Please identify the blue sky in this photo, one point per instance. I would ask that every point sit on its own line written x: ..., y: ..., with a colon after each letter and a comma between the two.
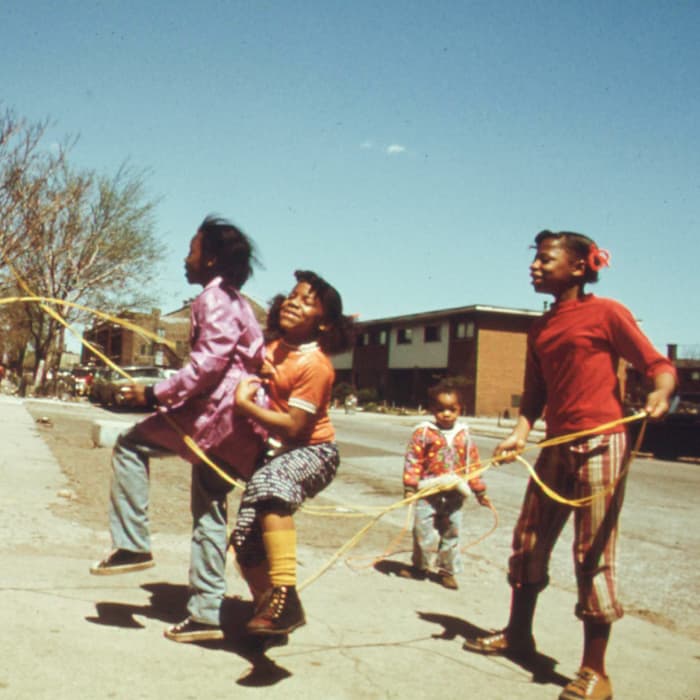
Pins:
x: 407, y: 151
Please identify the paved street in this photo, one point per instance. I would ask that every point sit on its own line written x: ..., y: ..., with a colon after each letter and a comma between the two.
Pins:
x: 369, y: 634
x: 661, y: 499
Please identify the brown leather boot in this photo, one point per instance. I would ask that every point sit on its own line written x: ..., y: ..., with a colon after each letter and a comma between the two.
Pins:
x: 279, y: 612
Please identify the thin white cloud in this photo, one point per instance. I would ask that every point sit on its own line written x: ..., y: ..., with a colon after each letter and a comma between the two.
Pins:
x: 395, y: 148
x: 367, y: 145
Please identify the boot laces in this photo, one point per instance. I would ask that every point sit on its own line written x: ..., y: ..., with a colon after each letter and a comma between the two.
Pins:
x: 275, y: 605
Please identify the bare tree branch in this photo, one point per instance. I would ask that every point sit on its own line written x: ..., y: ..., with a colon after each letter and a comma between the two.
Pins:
x: 74, y: 235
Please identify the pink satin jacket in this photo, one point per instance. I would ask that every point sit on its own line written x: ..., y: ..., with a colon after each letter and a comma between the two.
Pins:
x: 226, y: 345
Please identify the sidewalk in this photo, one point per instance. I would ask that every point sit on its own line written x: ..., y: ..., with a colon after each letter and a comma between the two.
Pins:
x: 502, y: 427
x: 479, y: 425
x: 67, y: 634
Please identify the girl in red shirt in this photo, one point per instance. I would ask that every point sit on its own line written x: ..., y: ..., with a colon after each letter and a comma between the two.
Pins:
x: 572, y: 358
x: 307, y: 325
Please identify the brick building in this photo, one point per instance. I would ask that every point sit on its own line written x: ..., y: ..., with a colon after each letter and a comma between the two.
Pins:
x: 401, y: 356
x: 126, y: 348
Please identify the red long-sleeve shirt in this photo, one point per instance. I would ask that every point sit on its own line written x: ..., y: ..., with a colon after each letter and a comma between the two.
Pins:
x: 572, y: 359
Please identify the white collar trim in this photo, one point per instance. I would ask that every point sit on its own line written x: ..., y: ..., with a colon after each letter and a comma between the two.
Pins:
x: 304, y: 347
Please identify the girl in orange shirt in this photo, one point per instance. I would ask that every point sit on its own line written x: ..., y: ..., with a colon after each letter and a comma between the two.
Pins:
x: 306, y: 326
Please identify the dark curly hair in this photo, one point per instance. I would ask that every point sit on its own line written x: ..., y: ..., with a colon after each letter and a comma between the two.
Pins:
x: 232, y: 251
x: 578, y: 246
x: 337, y: 330
x: 447, y: 385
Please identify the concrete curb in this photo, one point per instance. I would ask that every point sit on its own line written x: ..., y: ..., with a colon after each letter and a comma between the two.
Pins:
x: 104, y: 433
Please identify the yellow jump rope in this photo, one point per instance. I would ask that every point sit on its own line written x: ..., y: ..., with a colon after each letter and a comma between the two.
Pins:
x: 338, y: 510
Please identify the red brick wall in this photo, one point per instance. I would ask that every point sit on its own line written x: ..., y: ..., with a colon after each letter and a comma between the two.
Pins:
x: 461, y: 362
x: 500, y: 370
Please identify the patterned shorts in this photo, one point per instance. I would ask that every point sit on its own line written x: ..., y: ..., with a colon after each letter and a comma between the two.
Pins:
x: 581, y: 469
x: 285, y: 481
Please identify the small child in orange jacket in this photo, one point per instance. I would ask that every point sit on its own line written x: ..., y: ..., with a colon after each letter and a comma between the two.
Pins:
x: 440, y: 450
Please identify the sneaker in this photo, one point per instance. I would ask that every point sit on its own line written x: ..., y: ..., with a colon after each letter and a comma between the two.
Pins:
x: 588, y: 685
x: 122, y: 561
x: 190, y: 630
x: 279, y: 612
x: 413, y: 572
x: 500, y: 643
x: 449, y: 581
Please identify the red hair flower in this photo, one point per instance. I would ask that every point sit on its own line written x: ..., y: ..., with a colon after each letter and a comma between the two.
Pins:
x: 598, y: 257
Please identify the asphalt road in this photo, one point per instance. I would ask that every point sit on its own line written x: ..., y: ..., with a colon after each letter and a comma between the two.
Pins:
x: 370, y: 634
x: 659, y: 542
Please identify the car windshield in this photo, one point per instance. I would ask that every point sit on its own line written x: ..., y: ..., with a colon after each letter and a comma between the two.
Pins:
x: 145, y: 372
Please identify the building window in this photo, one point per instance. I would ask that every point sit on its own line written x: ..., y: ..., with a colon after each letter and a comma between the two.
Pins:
x: 431, y: 334
x: 464, y: 330
x: 377, y: 337
x: 404, y: 336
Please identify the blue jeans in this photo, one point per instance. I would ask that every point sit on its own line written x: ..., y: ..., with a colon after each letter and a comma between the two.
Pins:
x: 437, y: 522
x: 129, y: 526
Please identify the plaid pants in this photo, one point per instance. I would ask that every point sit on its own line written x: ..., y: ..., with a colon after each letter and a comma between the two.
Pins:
x: 575, y: 470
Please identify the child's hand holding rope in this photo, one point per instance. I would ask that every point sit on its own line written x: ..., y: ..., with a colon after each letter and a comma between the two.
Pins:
x: 133, y: 394
x: 509, y: 449
x: 483, y: 499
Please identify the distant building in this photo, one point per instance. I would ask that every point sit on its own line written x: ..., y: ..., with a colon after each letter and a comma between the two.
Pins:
x: 126, y: 347
x: 402, y: 356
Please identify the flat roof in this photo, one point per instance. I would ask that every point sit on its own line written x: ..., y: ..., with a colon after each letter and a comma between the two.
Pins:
x: 442, y: 313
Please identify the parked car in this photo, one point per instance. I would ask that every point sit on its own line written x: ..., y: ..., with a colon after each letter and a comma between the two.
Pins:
x: 107, y: 384
x: 97, y: 391
x: 677, y: 434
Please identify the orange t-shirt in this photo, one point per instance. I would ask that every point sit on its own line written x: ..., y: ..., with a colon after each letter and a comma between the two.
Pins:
x: 303, y: 378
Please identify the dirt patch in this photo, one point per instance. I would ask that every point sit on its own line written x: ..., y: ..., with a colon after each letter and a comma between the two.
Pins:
x: 88, y: 471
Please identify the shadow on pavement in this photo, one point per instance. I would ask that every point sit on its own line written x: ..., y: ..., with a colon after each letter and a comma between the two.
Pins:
x: 390, y: 567
x: 541, y: 667
x: 167, y: 603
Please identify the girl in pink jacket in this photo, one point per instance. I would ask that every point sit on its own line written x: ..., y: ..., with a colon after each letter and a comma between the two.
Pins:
x: 226, y: 345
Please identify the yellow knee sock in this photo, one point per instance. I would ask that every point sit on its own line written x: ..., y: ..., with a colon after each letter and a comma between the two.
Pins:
x: 281, y: 550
